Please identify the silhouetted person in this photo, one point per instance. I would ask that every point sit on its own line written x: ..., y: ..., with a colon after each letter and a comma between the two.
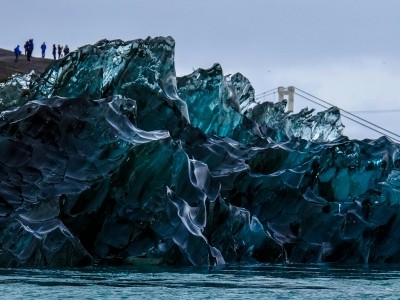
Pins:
x: 43, y: 47
x: 54, y: 51
x: 59, y: 49
x: 66, y: 50
x: 17, y: 53
x: 26, y: 47
x: 30, y: 50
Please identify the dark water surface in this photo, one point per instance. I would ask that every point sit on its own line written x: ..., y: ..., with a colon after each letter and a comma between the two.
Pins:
x: 229, y: 282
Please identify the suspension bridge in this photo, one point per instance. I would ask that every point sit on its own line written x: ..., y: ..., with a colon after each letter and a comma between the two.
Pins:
x: 281, y: 93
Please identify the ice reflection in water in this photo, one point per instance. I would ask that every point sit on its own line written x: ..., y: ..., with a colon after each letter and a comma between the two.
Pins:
x: 230, y: 282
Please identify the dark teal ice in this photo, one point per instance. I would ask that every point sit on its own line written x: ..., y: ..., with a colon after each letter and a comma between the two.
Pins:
x: 108, y: 157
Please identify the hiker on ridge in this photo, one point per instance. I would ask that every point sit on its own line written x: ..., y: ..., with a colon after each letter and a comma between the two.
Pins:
x: 17, y: 53
x: 30, y: 50
x: 54, y: 51
x: 26, y: 47
x: 43, y: 47
x: 59, y: 49
x: 66, y: 50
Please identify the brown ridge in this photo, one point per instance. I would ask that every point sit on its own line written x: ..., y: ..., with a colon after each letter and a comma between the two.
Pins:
x: 9, y: 67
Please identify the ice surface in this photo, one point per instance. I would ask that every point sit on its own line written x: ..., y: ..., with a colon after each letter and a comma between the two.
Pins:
x: 108, y: 157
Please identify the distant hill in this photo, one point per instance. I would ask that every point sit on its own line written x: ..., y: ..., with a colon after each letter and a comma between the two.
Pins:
x: 9, y: 67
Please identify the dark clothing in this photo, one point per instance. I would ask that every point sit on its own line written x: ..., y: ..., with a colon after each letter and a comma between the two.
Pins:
x: 26, y: 47
x: 54, y: 51
x: 59, y: 49
x: 43, y: 47
x: 66, y: 50
x: 29, y: 50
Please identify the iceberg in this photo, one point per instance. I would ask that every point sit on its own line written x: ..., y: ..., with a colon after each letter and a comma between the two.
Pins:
x: 108, y: 157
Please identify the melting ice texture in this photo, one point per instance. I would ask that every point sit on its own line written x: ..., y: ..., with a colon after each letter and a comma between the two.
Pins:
x: 108, y: 157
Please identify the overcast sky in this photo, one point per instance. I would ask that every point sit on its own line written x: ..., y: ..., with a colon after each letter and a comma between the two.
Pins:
x: 343, y: 51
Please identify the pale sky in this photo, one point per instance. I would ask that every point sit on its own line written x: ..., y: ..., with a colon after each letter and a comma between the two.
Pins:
x: 343, y: 51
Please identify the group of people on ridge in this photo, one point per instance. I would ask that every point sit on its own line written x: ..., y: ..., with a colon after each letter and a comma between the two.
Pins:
x: 28, y: 50
x: 61, y: 51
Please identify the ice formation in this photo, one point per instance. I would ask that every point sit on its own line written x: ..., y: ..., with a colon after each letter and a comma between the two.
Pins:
x: 108, y: 157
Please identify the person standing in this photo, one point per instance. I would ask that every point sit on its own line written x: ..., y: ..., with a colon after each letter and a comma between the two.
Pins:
x: 17, y: 53
x: 59, y: 49
x: 30, y: 50
x: 26, y: 47
x: 66, y: 50
x: 43, y: 47
x: 54, y: 51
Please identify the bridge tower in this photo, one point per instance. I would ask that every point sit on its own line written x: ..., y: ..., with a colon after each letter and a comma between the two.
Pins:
x: 289, y: 91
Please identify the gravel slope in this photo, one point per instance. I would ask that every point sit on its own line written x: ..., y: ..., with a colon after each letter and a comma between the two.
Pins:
x: 9, y: 67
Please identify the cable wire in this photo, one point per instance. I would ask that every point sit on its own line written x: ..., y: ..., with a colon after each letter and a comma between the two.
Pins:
x: 259, y: 95
x: 377, y: 111
x: 264, y: 96
x: 396, y: 138
x: 311, y: 100
x: 353, y: 115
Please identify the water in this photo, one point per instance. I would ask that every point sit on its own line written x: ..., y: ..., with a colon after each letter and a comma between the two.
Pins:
x: 230, y: 282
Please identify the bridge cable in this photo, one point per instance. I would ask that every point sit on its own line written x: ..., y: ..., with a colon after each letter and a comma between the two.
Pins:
x: 353, y: 115
x: 264, y: 96
x: 259, y: 95
x: 396, y: 138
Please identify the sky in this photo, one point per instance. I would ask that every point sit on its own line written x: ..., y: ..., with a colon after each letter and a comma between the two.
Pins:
x: 345, y: 52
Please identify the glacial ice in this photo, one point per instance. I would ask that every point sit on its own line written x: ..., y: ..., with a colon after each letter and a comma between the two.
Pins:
x: 108, y: 157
